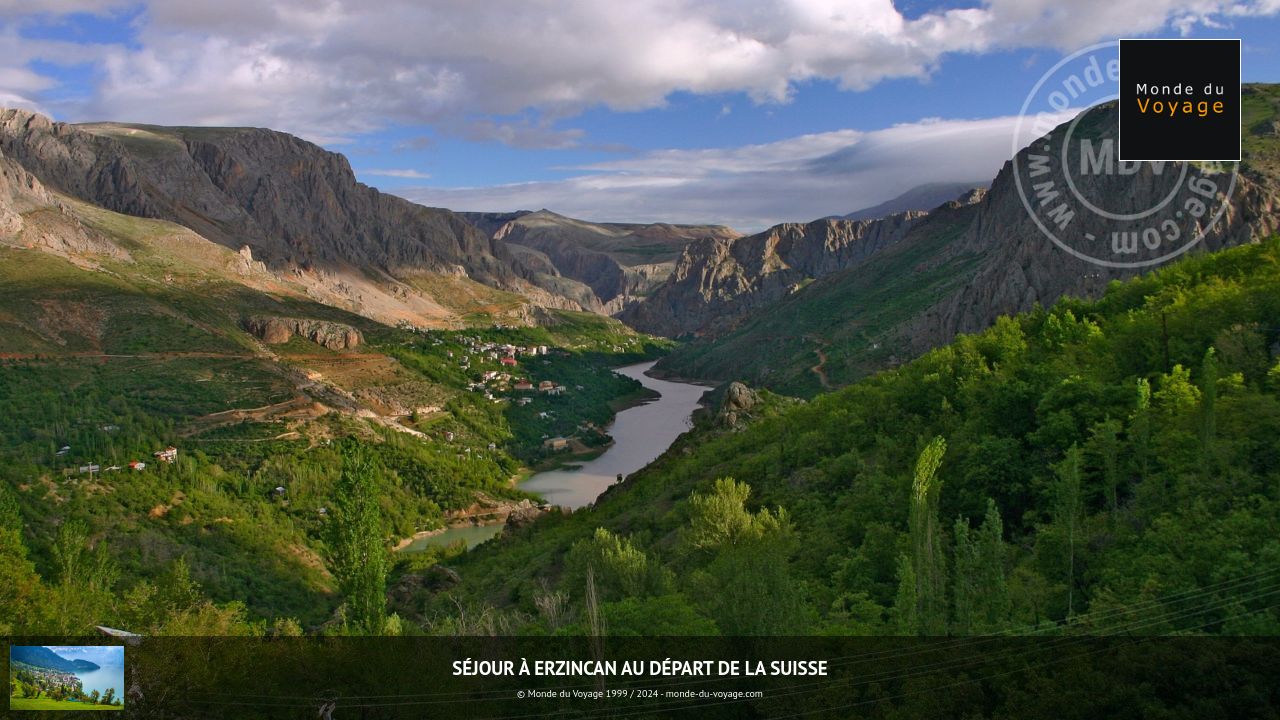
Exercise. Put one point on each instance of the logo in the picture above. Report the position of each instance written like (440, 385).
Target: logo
(1112, 213)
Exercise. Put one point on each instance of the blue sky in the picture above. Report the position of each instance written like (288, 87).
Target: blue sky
(104, 655)
(676, 110)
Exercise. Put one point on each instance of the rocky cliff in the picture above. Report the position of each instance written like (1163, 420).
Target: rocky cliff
(718, 281)
(618, 262)
(293, 203)
(32, 217)
(277, 330)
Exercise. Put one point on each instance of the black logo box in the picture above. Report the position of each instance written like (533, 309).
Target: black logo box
(1187, 67)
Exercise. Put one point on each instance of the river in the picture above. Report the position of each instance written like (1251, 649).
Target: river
(640, 434)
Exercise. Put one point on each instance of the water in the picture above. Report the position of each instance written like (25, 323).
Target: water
(110, 661)
(103, 678)
(473, 534)
(640, 434)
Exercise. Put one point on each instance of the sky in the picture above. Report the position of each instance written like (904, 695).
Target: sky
(745, 113)
(103, 655)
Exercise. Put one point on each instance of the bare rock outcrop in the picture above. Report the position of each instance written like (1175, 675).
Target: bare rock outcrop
(277, 330)
(718, 281)
(291, 202)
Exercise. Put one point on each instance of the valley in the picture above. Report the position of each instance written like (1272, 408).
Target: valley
(236, 379)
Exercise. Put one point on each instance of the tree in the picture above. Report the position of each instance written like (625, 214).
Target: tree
(747, 588)
(720, 517)
(1140, 428)
(108, 697)
(928, 561)
(358, 554)
(1208, 398)
(981, 595)
(905, 604)
(93, 697)
(1105, 443)
(621, 569)
(1068, 507)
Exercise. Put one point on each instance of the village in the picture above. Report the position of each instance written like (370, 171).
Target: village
(168, 455)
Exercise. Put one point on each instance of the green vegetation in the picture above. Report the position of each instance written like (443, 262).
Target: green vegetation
(33, 688)
(777, 348)
(117, 362)
(1100, 467)
(1260, 115)
(44, 703)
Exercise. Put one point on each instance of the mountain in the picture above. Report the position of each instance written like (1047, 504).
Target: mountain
(286, 203)
(958, 270)
(617, 262)
(921, 197)
(42, 657)
(719, 281)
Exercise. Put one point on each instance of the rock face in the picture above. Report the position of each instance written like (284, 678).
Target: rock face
(292, 202)
(618, 262)
(739, 401)
(277, 330)
(717, 282)
(522, 517)
(32, 217)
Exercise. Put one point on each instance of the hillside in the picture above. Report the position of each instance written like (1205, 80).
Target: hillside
(1102, 467)
(618, 263)
(42, 657)
(121, 336)
(288, 204)
(952, 272)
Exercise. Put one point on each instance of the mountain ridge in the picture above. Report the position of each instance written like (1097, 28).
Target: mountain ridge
(896, 305)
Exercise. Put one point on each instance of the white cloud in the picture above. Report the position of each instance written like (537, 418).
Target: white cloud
(395, 173)
(754, 186)
(333, 68)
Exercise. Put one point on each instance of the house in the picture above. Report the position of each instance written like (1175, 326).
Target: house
(91, 469)
(136, 465)
(168, 454)
(524, 385)
(63, 450)
(508, 361)
(524, 401)
(557, 391)
(556, 444)
(545, 385)
(542, 349)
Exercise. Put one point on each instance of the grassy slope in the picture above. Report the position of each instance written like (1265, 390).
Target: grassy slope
(44, 703)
